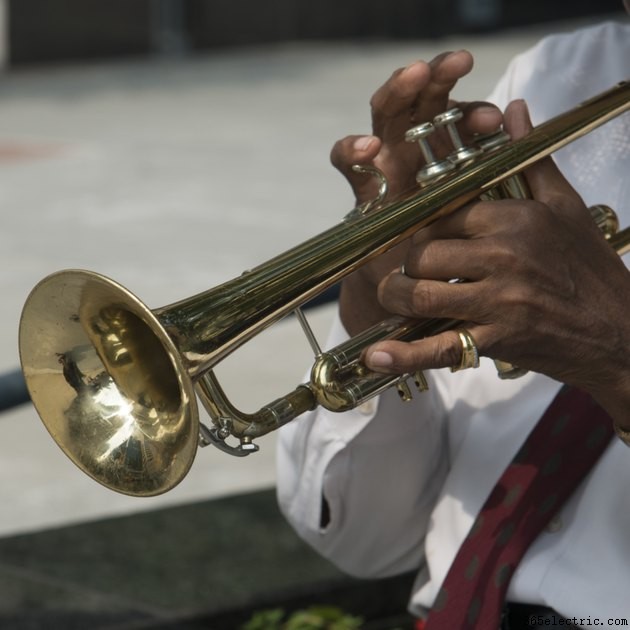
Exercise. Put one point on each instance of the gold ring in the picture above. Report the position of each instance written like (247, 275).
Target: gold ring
(470, 354)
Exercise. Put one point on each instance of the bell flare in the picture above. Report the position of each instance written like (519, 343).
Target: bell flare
(108, 383)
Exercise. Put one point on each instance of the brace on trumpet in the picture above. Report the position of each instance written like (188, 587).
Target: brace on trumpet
(116, 383)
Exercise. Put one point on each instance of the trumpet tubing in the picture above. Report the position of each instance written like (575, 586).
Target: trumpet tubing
(116, 383)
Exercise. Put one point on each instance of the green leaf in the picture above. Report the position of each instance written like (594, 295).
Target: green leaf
(313, 618)
(322, 618)
(265, 620)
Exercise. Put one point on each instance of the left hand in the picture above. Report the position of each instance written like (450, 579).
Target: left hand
(410, 96)
(544, 290)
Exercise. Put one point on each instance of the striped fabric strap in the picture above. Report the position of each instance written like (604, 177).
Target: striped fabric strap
(558, 453)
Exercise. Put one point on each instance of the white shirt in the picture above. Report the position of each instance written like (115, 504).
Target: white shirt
(404, 482)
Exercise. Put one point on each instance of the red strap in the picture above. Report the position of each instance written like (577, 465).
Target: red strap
(559, 452)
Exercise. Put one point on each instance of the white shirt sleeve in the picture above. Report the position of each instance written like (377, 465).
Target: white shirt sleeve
(378, 470)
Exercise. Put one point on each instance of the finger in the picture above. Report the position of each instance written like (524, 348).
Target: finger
(446, 70)
(446, 259)
(356, 150)
(545, 180)
(399, 92)
(438, 351)
(475, 220)
(421, 86)
(418, 299)
(518, 122)
(479, 118)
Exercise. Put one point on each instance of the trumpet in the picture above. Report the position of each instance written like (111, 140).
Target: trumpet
(117, 384)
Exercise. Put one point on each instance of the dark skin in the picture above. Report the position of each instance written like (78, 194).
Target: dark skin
(412, 95)
(544, 290)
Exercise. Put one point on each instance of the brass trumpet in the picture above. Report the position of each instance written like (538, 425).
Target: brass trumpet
(116, 384)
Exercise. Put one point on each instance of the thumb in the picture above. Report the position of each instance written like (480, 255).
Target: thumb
(547, 184)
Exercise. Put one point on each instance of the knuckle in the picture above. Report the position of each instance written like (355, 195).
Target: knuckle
(379, 100)
(374, 102)
(385, 101)
(562, 200)
(447, 350)
(387, 293)
(340, 153)
(536, 217)
(502, 254)
(519, 302)
(336, 156)
(423, 299)
(523, 217)
(519, 233)
(405, 359)
(557, 200)
(518, 217)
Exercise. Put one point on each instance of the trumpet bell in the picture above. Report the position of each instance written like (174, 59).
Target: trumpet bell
(108, 383)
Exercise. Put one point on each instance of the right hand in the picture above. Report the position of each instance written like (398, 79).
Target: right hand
(412, 95)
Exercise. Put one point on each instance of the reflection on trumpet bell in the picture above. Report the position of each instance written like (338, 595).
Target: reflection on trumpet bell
(109, 383)
(115, 383)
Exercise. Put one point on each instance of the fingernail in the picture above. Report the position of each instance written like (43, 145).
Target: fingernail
(363, 143)
(486, 109)
(455, 53)
(380, 359)
(487, 112)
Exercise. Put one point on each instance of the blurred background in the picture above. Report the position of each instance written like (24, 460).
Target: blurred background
(172, 145)
(76, 29)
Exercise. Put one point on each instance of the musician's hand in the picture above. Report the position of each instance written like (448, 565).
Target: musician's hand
(544, 290)
(412, 95)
